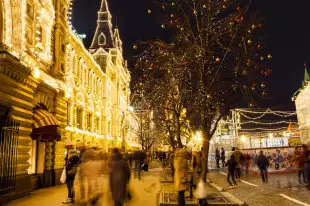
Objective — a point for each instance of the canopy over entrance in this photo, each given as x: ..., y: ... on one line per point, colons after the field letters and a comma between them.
x: 45, y: 126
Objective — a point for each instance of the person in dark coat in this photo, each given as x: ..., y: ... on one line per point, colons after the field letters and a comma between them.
x: 263, y: 164
x: 231, y: 164
x: 217, y: 157
x: 119, y: 177
x: 72, y: 161
x: 223, y: 157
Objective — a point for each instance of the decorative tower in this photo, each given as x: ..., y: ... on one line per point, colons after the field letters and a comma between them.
x: 103, y: 37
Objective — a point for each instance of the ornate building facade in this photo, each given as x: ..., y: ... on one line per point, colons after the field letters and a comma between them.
x: 57, y: 90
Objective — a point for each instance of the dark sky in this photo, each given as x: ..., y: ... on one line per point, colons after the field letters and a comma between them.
x: 287, y: 35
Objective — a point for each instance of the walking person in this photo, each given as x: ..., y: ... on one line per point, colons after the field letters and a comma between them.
x: 217, y: 157
x: 231, y: 164
x: 300, y: 156
x: 72, y: 161
x: 171, y: 160
x: 180, y: 175
x: 237, y: 157
x: 196, y: 171
x: 119, y: 177
x: 247, y: 161
x: 263, y: 164
x: 223, y: 157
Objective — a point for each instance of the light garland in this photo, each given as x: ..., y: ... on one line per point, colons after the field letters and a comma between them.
x: 84, y: 132
x: 265, y: 129
x: 268, y: 123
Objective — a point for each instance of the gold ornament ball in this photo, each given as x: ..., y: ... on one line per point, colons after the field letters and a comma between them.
x: 182, y: 29
x: 173, y: 4
x: 224, y: 6
x: 217, y: 59
x: 249, y: 31
x: 163, y: 26
x: 135, y: 47
x: 149, y: 11
x: 249, y: 41
x: 195, y: 12
x: 204, y: 6
x: 172, y: 15
x: 269, y: 56
x: 253, y: 26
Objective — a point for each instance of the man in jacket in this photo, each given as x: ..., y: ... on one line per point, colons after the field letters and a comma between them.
x: 119, y: 177
x: 263, y: 164
x: 237, y: 157
x: 72, y: 161
x: 231, y: 163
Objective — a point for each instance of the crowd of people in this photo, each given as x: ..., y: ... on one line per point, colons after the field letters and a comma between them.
x: 239, y: 160
x: 94, y: 177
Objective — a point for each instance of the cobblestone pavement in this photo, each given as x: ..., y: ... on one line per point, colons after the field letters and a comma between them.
x: 145, y: 192
x: 255, y: 193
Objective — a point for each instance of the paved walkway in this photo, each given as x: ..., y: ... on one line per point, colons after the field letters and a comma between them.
x: 146, y: 192
x: 282, y: 189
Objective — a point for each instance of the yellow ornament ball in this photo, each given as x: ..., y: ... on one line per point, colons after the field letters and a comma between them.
x: 224, y: 6
x: 149, y: 11
x: 195, y: 12
x: 163, y: 26
x: 204, y: 6
x: 135, y: 47
x: 249, y: 31
x: 253, y: 26
x: 173, y: 4
x: 249, y: 41
x: 217, y: 59
x: 172, y: 15
x: 269, y: 56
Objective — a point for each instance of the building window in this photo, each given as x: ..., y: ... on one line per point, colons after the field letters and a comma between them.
x: 29, y: 35
x: 68, y: 114
x: 97, y: 125
x: 89, y: 121
x: 79, y: 118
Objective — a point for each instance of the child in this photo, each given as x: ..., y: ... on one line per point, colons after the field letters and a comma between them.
x: 231, y: 169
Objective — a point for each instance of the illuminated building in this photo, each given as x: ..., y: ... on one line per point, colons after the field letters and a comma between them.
x: 49, y: 79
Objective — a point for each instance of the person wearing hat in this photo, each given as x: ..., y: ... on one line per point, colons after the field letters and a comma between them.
x: 72, y: 161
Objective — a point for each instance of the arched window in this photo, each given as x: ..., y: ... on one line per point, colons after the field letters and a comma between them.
x: 79, y: 117
x: 102, y: 40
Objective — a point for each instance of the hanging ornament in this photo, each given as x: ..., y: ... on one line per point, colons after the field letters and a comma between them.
x: 163, y: 7
x: 263, y: 85
x: 249, y: 42
x: 264, y: 93
x: 173, y: 4
x: 238, y: 8
x: 182, y: 29
x: 262, y: 58
x: 248, y: 64
x: 224, y: 6
x: 269, y: 56
x: 204, y: 6
x: 244, y: 72
x: 249, y: 31
x: 251, y: 104
x: 195, y: 12
x: 149, y: 11
x: 253, y: 26
x: 172, y: 15
x: 163, y: 26
x: 171, y: 21
x: 253, y: 88
x: 217, y: 60
x: 134, y: 46
x: 259, y: 46
x: 260, y: 25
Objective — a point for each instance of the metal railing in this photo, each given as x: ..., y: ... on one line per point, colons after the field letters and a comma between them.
x: 9, y: 132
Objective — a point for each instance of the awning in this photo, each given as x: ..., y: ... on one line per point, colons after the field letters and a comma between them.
x: 45, y: 126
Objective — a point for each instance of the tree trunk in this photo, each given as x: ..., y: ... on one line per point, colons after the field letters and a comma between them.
x: 180, y: 145
x: 205, y: 154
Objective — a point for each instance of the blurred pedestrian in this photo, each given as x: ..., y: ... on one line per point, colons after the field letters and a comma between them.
x: 247, y: 161
x: 231, y: 164
x: 263, y: 164
x: 119, y: 177
x: 171, y: 160
x: 237, y: 158
x: 217, y: 157
x: 89, y: 185
x: 223, y: 157
x: 180, y: 174
x: 72, y: 161
x: 196, y: 171
x: 299, y: 157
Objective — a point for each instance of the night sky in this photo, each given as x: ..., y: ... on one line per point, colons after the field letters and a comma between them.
x: 287, y: 36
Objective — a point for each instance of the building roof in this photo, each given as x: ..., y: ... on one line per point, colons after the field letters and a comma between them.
x: 304, y: 84
x: 103, y: 37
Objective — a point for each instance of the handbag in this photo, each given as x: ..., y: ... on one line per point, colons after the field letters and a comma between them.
x: 63, y: 176
x: 201, y: 190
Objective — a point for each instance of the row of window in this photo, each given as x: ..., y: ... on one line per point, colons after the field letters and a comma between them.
x: 76, y: 119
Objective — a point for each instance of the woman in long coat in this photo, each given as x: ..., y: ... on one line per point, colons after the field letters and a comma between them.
x: 119, y: 177
x: 180, y: 174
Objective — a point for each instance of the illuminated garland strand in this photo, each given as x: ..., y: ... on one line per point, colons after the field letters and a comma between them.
x: 268, y: 111
x: 267, y: 123
x: 264, y: 114
x: 265, y: 129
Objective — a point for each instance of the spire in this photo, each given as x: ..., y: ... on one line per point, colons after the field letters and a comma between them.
x: 103, y: 37
x: 306, y: 77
